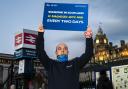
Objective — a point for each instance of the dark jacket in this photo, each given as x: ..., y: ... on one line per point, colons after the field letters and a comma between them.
x: 104, y: 83
x: 63, y: 75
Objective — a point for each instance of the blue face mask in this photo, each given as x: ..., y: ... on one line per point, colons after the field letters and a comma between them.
x: 62, y: 58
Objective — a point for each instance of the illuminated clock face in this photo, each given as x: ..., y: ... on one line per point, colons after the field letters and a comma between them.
x: 105, y: 41
x: 97, y: 41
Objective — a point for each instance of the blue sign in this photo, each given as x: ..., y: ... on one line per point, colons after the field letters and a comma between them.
x: 25, y: 53
x: 61, y: 16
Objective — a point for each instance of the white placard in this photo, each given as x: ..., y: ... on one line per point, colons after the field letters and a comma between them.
x: 21, y: 66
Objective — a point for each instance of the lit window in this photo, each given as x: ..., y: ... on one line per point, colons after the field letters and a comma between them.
x: 97, y: 41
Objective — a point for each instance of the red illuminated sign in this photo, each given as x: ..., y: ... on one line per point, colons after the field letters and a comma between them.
x: 18, y: 39
x: 29, y: 38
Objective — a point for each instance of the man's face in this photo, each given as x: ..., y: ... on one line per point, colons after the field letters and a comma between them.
x: 61, y: 49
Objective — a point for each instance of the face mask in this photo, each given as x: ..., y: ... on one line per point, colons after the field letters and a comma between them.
x: 62, y: 58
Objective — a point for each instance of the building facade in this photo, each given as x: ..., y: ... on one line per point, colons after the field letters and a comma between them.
x: 105, y: 51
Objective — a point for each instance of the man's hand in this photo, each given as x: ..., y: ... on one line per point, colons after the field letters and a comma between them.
x: 88, y: 33
x: 41, y: 29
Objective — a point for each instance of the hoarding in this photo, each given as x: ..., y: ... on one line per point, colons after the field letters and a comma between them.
x: 120, y: 77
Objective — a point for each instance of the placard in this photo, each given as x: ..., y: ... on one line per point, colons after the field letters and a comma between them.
x: 63, y: 16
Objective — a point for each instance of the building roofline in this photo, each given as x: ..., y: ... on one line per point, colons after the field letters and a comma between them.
x: 7, y: 56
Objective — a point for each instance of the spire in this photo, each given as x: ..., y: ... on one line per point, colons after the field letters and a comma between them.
x: 100, y: 31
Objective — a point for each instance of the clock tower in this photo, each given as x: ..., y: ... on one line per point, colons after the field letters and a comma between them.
x: 101, y: 46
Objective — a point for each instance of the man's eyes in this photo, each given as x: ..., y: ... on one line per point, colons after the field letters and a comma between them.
x: 65, y: 48
x: 59, y: 48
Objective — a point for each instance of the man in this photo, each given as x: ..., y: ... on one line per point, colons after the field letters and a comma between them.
x: 63, y: 74
x: 104, y: 82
